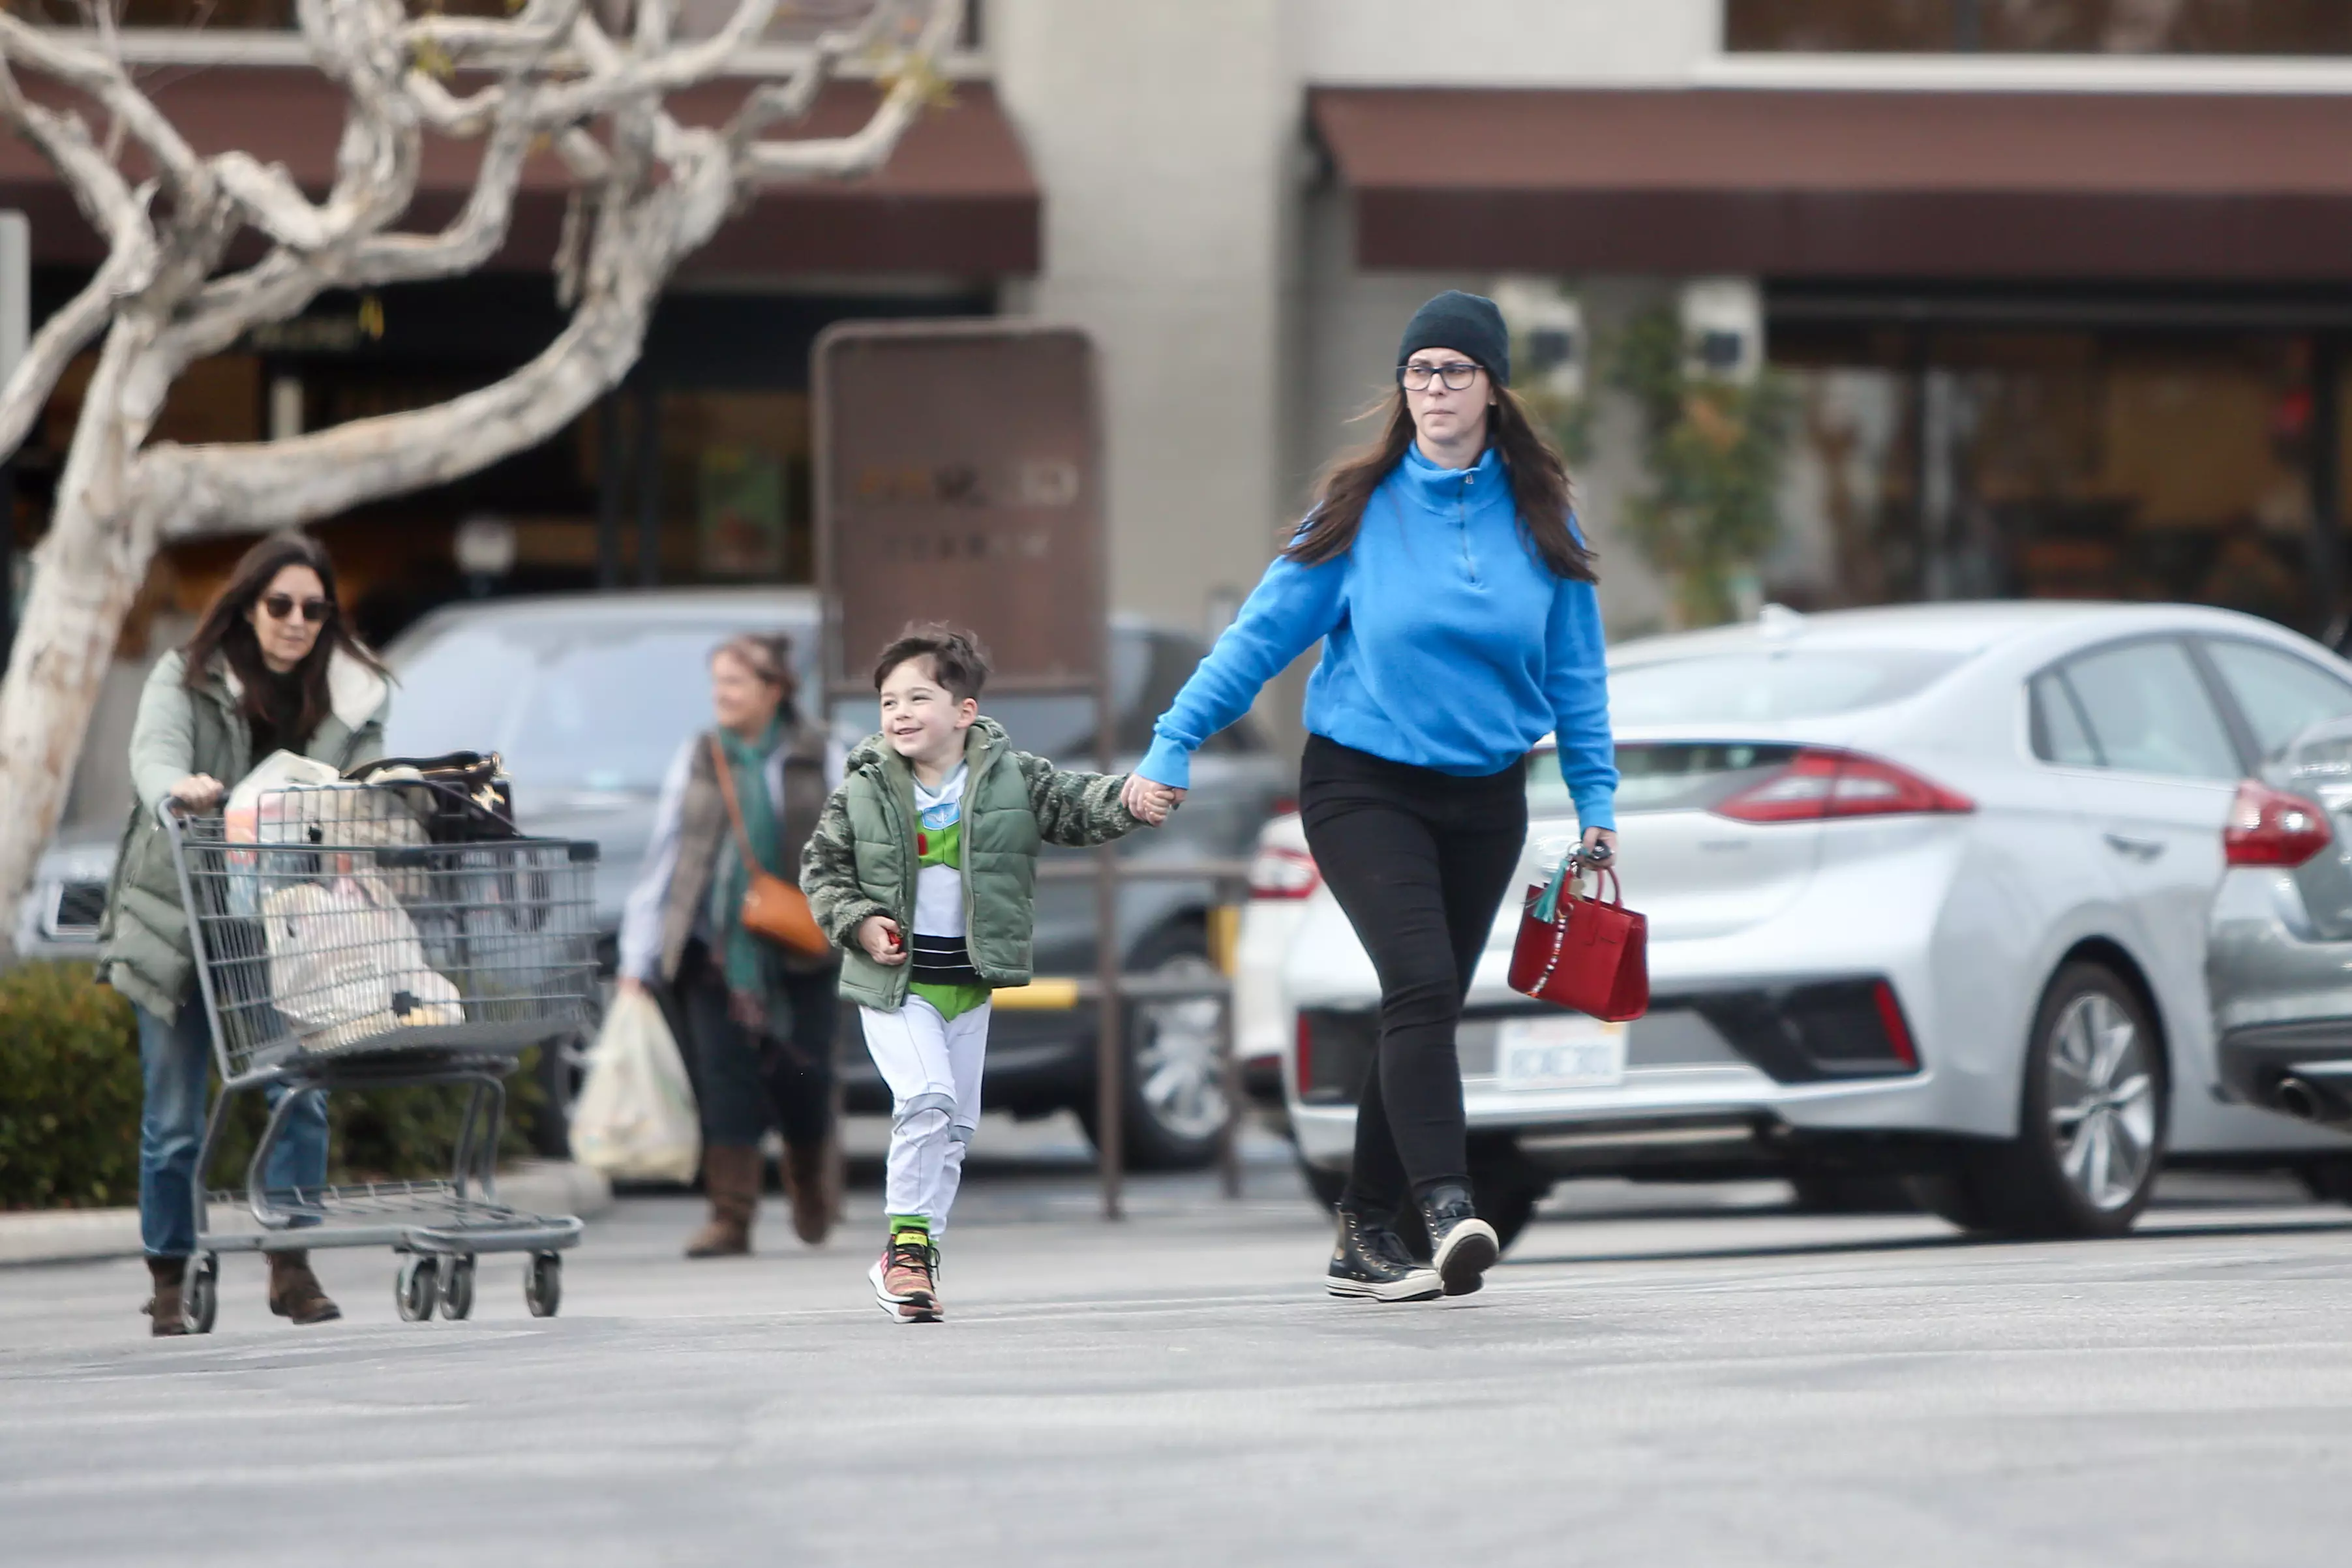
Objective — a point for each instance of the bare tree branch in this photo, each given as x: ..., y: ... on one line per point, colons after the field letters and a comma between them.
x: 645, y: 190
x: 844, y: 157
x: 102, y: 76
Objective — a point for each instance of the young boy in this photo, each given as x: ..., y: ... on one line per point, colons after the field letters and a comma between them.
x: 923, y: 871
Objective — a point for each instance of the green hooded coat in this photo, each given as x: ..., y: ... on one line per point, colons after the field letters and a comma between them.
x: 202, y: 729
x: 861, y: 860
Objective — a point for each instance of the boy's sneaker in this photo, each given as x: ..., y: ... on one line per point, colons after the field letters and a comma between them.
x: 902, y: 1280
x: 1461, y: 1245
x: 1368, y: 1262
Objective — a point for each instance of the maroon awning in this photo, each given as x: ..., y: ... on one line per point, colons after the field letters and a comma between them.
x: 956, y: 198
x: 1838, y: 183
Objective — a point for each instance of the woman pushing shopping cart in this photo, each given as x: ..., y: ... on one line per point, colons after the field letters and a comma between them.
x: 304, y: 931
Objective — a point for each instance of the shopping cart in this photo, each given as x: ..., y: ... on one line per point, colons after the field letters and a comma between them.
x: 359, y: 937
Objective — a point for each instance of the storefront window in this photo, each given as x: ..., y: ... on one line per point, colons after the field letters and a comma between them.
x: 735, y: 487
x: 2043, y: 27
x: 1946, y: 464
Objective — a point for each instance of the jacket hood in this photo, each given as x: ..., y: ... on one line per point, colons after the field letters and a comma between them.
x: 355, y: 694
x: 873, y: 750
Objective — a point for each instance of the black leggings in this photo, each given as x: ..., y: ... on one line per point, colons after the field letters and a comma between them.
x: 1420, y: 862
x: 747, y: 1081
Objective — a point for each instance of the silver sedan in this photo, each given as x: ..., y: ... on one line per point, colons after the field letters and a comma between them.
x: 1930, y: 891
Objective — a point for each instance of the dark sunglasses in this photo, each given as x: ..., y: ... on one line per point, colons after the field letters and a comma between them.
x: 282, y: 607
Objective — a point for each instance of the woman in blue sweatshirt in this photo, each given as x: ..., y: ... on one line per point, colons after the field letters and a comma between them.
x: 1443, y: 572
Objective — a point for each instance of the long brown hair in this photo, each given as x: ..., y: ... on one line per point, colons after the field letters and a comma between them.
x: 1539, y: 487
x: 226, y: 631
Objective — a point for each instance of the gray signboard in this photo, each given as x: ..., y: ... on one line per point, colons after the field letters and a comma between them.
x: 959, y: 479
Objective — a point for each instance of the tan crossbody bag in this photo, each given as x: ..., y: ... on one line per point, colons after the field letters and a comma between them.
x: 772, y: 908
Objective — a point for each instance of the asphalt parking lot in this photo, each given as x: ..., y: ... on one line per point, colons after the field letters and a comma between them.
x: 1655, y: 1376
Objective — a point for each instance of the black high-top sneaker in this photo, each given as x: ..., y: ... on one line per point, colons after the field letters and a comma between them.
x: 1462, y: 1246
x: 1368, y: 1262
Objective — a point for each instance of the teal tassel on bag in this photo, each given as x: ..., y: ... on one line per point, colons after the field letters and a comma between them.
x: 1548, y: 905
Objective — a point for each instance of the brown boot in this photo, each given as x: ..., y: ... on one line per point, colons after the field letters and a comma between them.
x: 165, y: 1315
x: 730, y: 1179
x: 808, y: 1180
x: 295, y: 1292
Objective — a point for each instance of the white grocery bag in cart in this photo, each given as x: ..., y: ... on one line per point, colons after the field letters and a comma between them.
x: 636, y: 1118
x: 277, y: 772
x: 346, y: 963
x: 293, y: 799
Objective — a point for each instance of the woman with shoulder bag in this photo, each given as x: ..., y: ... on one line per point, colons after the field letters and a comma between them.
x: 272, y: 668
x: 712, y: 917
x: 1443, y: 572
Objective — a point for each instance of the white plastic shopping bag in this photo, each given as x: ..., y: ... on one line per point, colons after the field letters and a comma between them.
x: 346, y: 964
x: 636, y: 1118
x: 293, y: 799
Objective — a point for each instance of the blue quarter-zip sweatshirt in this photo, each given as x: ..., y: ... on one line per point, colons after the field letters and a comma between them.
x: 1449, y: 644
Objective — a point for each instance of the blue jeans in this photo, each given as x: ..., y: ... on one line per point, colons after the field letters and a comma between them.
x: 176, y: 1060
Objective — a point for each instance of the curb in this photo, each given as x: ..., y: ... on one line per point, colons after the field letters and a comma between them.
x: 80, y: 1236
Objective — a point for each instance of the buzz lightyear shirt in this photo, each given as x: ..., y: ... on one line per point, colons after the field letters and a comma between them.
x: 943, y: 974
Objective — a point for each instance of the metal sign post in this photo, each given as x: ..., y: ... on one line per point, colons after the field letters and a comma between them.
x: 959, y: 478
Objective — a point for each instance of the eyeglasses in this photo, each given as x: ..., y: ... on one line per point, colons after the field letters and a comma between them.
x: 1457, y: 375
x: 283, y: 607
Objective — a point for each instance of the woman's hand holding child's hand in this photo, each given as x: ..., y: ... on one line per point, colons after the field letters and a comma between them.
x: 1147, y: 802
x: 878, y: 935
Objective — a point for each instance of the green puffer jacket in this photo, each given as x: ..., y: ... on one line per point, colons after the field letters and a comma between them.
x: 860, y: 861
x: 201, y: 728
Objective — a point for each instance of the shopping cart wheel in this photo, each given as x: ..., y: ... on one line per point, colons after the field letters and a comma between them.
x: 542, y: 1284
x: 414, y: 1291
x: 458, y: 1288
x: 200, y: 1296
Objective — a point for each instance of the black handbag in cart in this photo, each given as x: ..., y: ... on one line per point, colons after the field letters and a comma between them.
x: 461, y: 797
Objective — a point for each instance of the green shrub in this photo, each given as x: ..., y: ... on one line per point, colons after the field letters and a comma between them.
x: 70, y: 1089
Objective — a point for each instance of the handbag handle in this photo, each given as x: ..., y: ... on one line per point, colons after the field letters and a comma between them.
x: 751, y: 867
x: 1547, y: 905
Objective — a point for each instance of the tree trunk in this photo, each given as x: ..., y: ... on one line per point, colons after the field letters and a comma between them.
x: 87, y: 572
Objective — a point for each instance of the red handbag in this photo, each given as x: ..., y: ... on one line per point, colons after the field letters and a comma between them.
x: 1582, y: 952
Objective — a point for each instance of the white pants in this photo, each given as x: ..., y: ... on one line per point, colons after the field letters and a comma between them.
x: 932, y: 1066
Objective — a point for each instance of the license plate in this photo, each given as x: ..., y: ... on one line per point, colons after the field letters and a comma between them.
x: 1570, y: 1052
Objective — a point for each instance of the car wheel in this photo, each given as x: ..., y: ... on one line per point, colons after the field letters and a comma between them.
x: 561, y: 1069
x: 2094, y: 1118
x: 1174, y: 1085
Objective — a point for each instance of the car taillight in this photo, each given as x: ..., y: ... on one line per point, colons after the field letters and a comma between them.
x: 1302, y: 1061
x: 1818, y: 783
x: 1276, y: 873
x: 2271, y: 827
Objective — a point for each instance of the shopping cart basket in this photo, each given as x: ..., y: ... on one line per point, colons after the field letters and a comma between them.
x: 339, y: 946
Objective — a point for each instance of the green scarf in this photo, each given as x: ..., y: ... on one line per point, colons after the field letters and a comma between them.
x: 746, y: 960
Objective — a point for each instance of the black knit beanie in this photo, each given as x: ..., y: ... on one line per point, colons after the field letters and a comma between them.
x: 1469, y: 323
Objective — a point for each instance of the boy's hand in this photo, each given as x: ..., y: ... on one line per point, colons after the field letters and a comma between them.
x: 878, y: 935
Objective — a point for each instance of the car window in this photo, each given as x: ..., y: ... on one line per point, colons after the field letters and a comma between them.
x: 584, y: 705
x: 2058, y: 734
x: 1790, y: 683
x: 2281, y: 695
x: 2148, y: 711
